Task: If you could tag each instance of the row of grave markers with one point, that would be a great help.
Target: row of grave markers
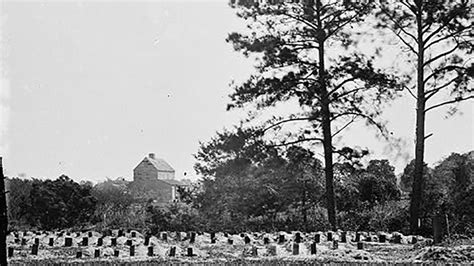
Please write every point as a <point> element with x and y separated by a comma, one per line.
<point>190,253</point>
<point>192,236</point>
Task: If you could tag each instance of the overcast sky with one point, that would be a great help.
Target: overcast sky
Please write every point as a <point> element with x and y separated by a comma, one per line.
<point>88,89</point>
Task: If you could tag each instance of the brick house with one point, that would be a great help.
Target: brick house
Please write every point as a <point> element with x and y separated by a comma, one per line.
<point>154,179</point>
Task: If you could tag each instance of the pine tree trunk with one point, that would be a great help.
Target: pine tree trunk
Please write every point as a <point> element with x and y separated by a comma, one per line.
<point>326,124</point>
<point>417,188</point>
<point>3,218</point>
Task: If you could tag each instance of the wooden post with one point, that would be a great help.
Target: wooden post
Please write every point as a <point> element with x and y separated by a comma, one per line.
<point>296,249</point>
<point>34,250</point>
<point>382,238</point>
<point>317,238</point>
<point>313,248</point>
<point>190,252</point>
<point>343,237</point>
<point>3,218</point>
<point>173,251</point>
<point>329,236</point>
<point>68,242</point>
<point>247,240</point>
<point>298,237</point>
<point>281,239</point>
<point>357,239</point>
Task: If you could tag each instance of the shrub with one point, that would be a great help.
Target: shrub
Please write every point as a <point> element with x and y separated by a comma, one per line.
<point>173,217</point>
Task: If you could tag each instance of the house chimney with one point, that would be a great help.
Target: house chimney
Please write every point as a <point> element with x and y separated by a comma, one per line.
<point>151,155</point>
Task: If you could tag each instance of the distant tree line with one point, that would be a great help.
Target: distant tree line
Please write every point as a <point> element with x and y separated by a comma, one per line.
<point>250,184</point>
<point>256,188</point>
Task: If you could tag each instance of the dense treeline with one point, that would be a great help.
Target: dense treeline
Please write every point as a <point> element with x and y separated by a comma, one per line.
<point>257,188</point>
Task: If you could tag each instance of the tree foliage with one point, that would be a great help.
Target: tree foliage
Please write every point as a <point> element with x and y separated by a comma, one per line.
<point>255,182</point>
<point>294,43</point>
<point>437,36</point>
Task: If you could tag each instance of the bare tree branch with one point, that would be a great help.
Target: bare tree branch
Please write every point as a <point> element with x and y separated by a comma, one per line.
<point>338,86</point>
<point>402,29</point>
<point>432,92</point>
<point>345,126</point>
<point>441,55</point>
<point>286,121</point>
<point>311,25</point>
<point>410,91</point>
<point>340,26</point>
<point>443,38</point>
<point>459,99</point>
<point>439,70</point>
<point>297,141</point>
<point>367,117</point>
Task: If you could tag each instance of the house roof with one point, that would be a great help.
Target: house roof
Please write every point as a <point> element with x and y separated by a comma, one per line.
<point>174,182</point>
<point>160,164</point>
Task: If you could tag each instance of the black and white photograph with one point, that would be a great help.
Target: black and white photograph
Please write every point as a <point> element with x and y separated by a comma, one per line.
<point>236,132</point>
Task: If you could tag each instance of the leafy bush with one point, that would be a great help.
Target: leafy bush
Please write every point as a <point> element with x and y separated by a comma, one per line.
<point>390,216</point>
<point>173,217</point>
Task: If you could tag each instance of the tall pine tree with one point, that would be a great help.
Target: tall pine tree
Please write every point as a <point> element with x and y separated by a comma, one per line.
<point>438,36</point>
<point>306,51</point>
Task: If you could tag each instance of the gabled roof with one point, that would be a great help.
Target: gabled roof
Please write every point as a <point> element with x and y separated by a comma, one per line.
<point>160,164</point>
<point>174,182</point>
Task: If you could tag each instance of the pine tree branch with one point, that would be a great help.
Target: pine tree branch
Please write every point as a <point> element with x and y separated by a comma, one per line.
<point>443,38</point>
<point>339,27</point>
<point>441,55</point>
<point>410,7</point>
<point>286,121</point>
<point>341,84</point>
<point>367,117</point>
<point>296,141</point>
<point>311,25</point>
<point>344,94</point>
<point>432,92</point>
<point>438,30</point>
<point>458,99</point>
<point>439,70</point>
<point>397,24</point>
<point>410,91</point>
<point>404,41</point>
<point>344,127</point>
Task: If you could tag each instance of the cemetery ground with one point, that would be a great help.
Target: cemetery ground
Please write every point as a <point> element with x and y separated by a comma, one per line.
<point>130,247</point>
